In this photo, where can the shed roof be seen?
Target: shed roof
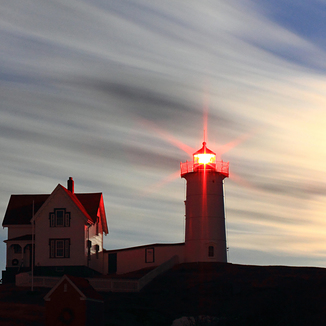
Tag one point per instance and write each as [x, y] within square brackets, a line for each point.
[81, 285]
[153, 245]
[26, 237]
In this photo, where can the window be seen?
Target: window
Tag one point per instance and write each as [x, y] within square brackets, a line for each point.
[210, 251]
[149, 255]
[59, 218]
[59, 248]
[97, 249]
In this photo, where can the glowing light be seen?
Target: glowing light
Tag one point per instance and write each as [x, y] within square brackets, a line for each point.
[204, 158]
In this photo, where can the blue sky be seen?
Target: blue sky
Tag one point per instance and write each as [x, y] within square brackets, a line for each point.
[92, 89]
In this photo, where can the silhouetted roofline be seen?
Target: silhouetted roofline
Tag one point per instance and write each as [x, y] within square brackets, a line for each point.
[146, 246]
[20, 207]
[81, 285]
[27, 237]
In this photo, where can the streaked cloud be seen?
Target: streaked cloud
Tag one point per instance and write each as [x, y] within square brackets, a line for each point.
[82, 83]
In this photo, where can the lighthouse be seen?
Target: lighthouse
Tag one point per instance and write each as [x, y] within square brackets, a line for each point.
[205, 238]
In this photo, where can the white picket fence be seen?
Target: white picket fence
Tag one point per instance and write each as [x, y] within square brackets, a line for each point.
[100, 284]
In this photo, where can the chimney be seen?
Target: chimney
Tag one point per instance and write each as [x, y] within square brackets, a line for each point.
[70, 184]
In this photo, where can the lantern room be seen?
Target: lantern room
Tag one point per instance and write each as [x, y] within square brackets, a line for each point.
[205, 159]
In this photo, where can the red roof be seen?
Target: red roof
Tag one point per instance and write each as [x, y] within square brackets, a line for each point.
[81, 285]
[20, 207]
[80, 205]
[204, 150]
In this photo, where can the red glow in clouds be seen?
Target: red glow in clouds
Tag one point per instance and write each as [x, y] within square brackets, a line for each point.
[227, 147]
[205, 117]
[157, 186]
[168, 137]
[190, 151]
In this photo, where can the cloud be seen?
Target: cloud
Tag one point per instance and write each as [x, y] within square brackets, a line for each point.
[259, 218]
[83, 84]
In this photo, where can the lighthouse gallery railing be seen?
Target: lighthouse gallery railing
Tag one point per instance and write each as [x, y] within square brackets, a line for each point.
[219, 166]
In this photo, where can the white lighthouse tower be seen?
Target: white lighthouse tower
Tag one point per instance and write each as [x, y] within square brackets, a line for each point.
[205, 239]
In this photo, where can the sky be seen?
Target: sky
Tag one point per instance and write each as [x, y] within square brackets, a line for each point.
[110, 92]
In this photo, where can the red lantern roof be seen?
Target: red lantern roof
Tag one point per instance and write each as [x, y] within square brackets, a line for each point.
[204, 150]
[205, 160]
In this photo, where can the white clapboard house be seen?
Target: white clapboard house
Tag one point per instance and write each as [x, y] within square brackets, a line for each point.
[64, 228]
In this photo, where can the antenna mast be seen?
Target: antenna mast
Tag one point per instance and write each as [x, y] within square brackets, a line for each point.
[33, 231]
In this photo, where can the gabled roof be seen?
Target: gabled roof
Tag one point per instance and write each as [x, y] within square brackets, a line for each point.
[204, 150]
[81, 285]
[20, 207]
[94, 205]
[77, 202]
[90, 202]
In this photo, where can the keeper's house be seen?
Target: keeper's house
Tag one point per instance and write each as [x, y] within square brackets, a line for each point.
[64, 228]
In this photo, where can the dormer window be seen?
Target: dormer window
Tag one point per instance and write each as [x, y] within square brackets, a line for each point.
[59, 218]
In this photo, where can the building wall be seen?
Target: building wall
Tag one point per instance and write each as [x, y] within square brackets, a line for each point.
[133, 259]
[75, 233]
[205, 218]
[65, 307]
[95, 235]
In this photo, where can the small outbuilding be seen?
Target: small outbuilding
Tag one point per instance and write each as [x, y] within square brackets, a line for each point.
[73, 301]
